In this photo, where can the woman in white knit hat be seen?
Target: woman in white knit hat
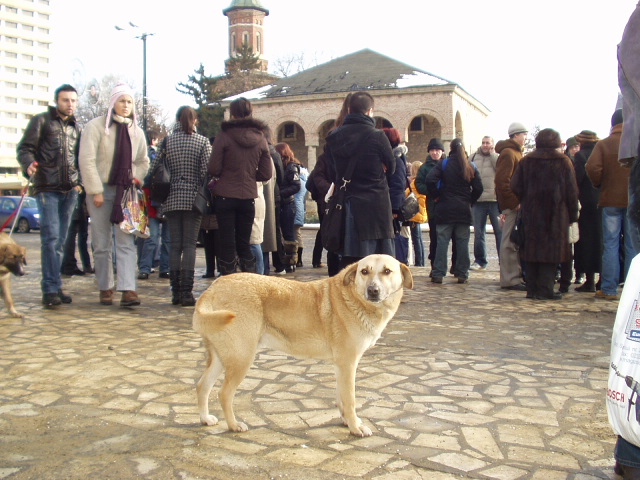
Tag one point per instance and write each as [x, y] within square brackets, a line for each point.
[113, 154]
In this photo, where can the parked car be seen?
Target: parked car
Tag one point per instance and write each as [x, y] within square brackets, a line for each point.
[29, 214]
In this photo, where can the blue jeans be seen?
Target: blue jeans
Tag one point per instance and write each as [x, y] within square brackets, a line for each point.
[256, 248]
[159, 233]
[460, 234]
[418, 244]
[56, 209]
[481, 211]
[615, 224]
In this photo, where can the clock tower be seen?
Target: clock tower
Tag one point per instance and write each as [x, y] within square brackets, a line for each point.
[246, 21]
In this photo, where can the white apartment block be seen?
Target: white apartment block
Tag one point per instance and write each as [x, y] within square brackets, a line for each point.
[25, 71]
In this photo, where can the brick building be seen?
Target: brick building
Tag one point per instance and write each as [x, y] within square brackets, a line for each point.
[300, 109]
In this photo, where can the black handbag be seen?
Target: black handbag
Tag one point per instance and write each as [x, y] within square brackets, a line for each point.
[160, 179]
[202, 202]
[517, 235]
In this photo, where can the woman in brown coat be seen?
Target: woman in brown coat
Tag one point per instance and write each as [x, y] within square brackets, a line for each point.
[545, 183]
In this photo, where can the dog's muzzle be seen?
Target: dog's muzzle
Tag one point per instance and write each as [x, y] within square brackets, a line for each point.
[373, 293]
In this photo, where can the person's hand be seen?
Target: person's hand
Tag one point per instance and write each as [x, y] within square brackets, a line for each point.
[136, 182]
[32, 168]
[98, 199]
[78, 188]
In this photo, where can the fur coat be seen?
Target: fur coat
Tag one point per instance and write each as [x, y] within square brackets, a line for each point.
[545, 184]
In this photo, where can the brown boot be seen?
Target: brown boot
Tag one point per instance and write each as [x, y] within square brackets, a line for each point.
[106, 297]
[129, 299]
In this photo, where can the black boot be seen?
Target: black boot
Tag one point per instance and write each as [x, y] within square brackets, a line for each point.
[299, 263]
[248, 265]
[186, 285]
[589, 284]
[290, 253]
[227, 268]
[174, 279]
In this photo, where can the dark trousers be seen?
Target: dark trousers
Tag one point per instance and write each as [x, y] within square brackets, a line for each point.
[433, 244]
[540, 279]
[235, 221]
[210, 243]
[184, 227]
[77, 228]
[333, 259]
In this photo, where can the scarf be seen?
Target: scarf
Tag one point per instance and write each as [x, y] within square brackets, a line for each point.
[120, 174]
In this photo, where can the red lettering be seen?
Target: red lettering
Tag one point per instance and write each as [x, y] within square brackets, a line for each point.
[614, 395]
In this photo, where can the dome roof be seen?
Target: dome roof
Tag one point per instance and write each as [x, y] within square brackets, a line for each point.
[238, 4]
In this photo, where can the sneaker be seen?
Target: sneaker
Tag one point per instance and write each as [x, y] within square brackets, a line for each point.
[129, 299]
[164, 275]
[280, 272]
[106, 297]
[601, 294]
[436, 279]
[143, 276]
[64, 298]
[477, 267]
[51, 300]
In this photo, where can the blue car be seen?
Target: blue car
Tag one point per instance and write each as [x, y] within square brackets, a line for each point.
[29, 214]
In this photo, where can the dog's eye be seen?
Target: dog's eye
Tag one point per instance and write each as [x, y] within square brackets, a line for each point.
[364, 271]
[386, 271]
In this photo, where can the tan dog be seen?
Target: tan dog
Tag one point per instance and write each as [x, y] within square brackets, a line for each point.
[12, 260]
[334, 319]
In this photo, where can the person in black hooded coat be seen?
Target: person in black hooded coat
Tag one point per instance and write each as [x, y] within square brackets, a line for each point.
[369, 222]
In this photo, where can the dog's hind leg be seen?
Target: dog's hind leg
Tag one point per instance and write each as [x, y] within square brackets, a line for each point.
[235, 371]
[205, 384]
[346, 391]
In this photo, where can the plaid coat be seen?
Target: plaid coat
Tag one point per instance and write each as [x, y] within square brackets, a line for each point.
[187, 159]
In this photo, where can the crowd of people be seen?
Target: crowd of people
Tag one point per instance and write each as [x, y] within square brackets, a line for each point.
[258, 197]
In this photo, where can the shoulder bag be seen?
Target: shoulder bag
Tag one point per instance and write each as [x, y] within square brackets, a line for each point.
[160, 179]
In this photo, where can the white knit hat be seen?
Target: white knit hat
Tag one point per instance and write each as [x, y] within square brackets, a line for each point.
[118, 91]
[517, 127]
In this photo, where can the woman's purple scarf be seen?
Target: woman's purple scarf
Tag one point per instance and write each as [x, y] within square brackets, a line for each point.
[120, 175]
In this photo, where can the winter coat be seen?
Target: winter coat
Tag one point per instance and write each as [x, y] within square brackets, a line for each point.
[421, 185]
[187, 159]
[368, 193]
[486, 165]
[301, 198]
[53, 143]
[257, 231]
[421, 216]
[272, 202]
[322, 176]
[290, 183]
[588, 250]
[509, 154]
[398, 181]
[240, 158]
[545, 185]
[97, 150]
[454, 196]
[606, 173]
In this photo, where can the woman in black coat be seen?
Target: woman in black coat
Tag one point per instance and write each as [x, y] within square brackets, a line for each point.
[587, 250]
[544, 182]
[455, 185]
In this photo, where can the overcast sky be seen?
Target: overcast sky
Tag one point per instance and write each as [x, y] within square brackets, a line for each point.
[550, 62]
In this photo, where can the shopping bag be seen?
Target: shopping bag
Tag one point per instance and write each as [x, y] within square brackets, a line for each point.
[134, 209]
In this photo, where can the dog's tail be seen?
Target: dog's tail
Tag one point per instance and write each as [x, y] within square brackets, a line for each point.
[207, 321]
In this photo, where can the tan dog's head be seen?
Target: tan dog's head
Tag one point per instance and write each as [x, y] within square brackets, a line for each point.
[377, 277]
[13, 257]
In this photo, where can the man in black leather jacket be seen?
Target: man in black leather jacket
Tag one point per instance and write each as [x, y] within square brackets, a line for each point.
[48, 152]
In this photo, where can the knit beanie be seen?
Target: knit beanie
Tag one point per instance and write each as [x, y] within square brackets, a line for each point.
[616, 119]
[118, 91]
[571, 142]
[435, 144]
[587, 136]
[517, 127]
[548, 138]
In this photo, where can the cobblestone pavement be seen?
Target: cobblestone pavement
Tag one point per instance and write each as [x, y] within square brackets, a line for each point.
[467, 381]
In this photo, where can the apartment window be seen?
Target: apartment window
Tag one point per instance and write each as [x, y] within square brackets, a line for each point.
[43, 16]
[43, 74]
[44, 2]
[11, 24]
[28, 28]
[11, 10]
[29, 43]
[43, 30]
[11, 69]
[11, 114]
[43, 59]
[43, 88]
[43, 45]
[27, 101]
[11, 84]
[28, 13]
[10, 99]
[11, 129]
[27, 116]
[11, 39]
[43, 103]
[27, 86]
[27, 57]
[27, 71]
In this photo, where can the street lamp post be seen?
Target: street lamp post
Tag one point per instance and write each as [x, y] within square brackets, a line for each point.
[143, 37]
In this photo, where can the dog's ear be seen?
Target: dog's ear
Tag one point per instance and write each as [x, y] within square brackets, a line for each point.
[407, 278]
[350, 274]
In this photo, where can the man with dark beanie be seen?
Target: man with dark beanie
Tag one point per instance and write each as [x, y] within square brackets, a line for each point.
[612, 179]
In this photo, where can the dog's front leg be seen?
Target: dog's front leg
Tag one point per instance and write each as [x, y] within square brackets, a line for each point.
[346, 392]
[8, 299]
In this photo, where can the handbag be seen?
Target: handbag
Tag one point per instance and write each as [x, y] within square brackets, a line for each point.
[159, 178]
[517, 234]
[410, 206]
[202, 202]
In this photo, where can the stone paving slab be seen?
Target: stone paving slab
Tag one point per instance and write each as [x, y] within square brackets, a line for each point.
[467, 381]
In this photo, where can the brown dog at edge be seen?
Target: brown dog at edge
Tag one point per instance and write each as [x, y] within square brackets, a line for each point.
[12, 261]
[334, 319]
